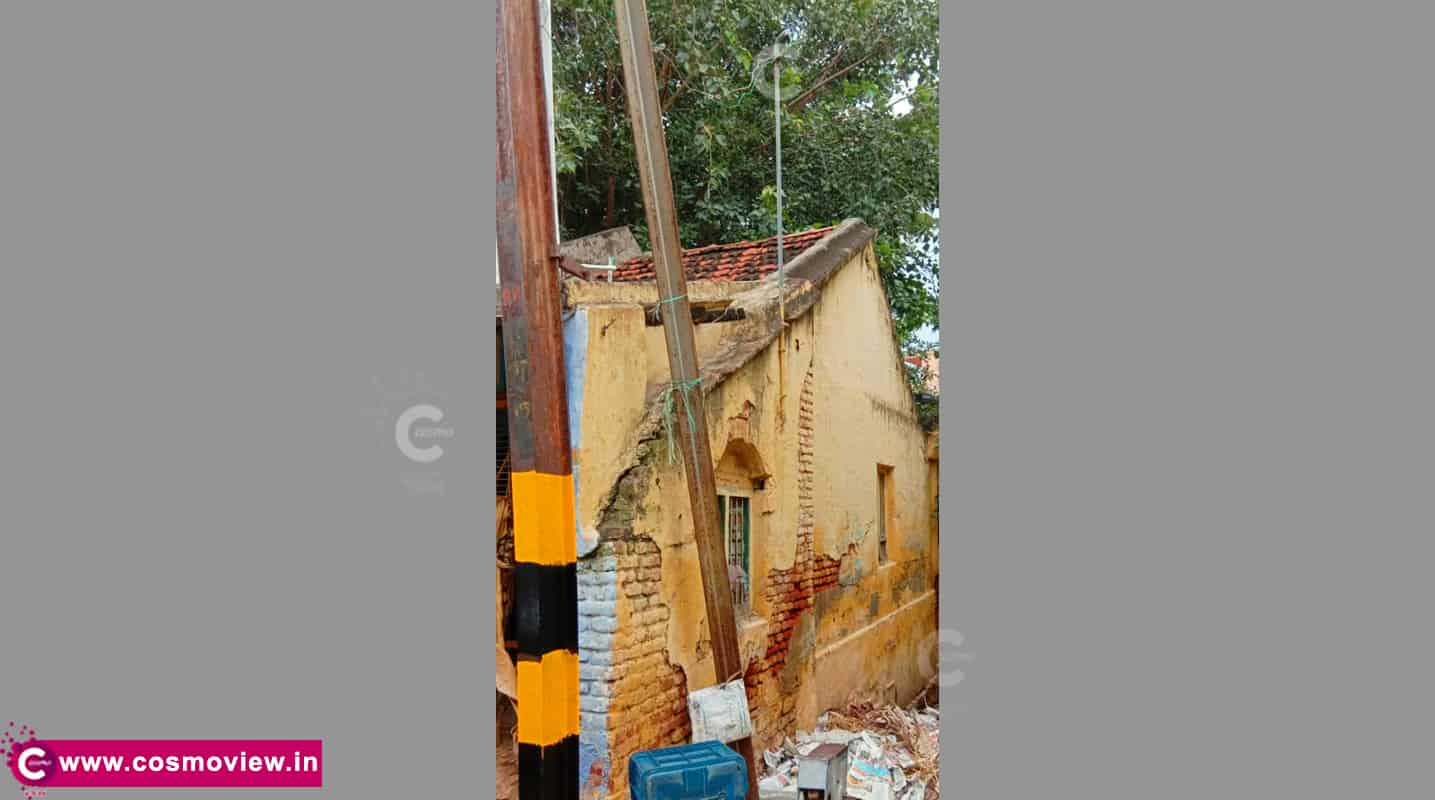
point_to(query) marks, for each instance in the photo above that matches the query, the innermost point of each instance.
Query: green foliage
(928, 411)
(847, 152)
(928, 405)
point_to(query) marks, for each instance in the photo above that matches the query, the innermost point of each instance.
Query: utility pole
(545, 547)
(777, 48)
(649, 141)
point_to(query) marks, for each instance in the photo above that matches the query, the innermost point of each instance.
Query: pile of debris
(892, 753)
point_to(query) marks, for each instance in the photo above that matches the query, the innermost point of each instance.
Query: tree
(925, 399)
(848, 148)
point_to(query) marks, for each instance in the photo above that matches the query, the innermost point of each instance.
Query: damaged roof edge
(815, 263)
(810, 271)
(813, 266)
(820, 261)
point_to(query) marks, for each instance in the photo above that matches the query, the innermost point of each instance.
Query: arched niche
(742, 465)
(741, 478)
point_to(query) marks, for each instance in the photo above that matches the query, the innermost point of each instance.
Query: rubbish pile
(892, 754)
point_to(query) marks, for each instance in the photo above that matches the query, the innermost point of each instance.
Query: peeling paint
(575, 360)
(822, 626)
(911, 579)
(852, 572)
(854, 531)
(799, 654)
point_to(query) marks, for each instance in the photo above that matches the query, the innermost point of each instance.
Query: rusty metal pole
(651, 147)
(545, 547)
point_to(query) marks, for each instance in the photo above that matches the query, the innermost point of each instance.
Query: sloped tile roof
(738, 261)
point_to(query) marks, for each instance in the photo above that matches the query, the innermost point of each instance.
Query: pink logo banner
(165, 763)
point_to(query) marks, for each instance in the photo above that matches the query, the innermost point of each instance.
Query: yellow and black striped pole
(545, 545)
(547, 622)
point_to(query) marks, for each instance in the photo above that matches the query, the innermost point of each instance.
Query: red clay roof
(739, 261)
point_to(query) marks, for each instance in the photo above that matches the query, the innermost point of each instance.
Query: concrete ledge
(645, 293)
(896, 638)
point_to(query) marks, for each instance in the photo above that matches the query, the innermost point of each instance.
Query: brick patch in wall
(597, 619)
(631, 697)
(650, 707)
(772, 680)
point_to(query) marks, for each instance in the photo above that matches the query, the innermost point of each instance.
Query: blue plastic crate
(702, 771)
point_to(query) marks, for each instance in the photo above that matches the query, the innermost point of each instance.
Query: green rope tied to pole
(658, 308)
(669, 396)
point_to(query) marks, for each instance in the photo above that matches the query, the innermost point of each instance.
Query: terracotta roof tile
(738, 261)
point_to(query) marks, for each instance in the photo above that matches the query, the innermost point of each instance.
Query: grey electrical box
(822, 773)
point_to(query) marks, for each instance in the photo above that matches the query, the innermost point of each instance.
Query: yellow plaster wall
(614, 383)
(864, 418)
(706, 338)
(865, 631)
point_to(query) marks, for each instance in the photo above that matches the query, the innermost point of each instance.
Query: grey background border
(236, 239)
(1187, 426)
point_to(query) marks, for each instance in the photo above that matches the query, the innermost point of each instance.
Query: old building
(929, 365)
(825, 481)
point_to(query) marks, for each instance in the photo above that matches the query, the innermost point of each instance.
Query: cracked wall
(828, 616)
(631, 696)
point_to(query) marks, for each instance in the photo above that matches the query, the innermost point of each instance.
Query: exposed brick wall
(771, 680)
(597, 619)
(631, 698)
(649, 706)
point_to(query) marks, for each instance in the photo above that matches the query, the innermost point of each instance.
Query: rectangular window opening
(884, 509)
(737, 527)
(702, 313)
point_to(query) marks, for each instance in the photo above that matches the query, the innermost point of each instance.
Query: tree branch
(801, 101)
(674, 95)
(669, 67)
(906, 96)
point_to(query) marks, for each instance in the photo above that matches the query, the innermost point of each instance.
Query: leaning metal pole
(781, 268)
(651, 147)
(545, 547)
